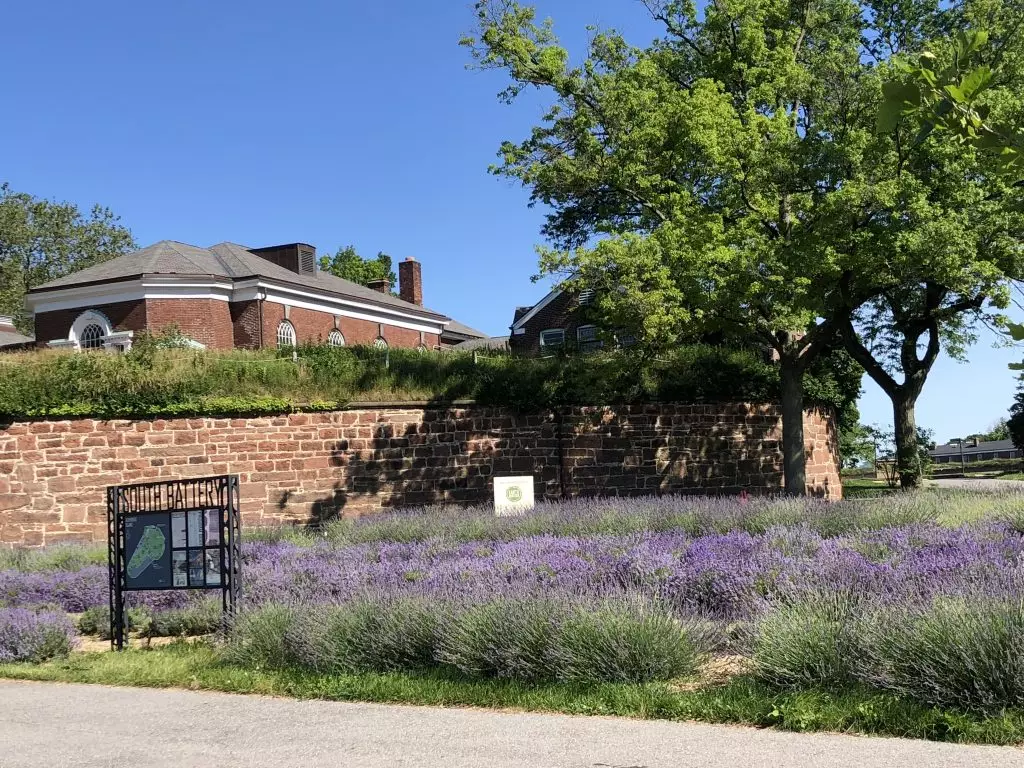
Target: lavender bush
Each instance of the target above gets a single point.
(528, 640)
(34, 635)
(819, 594)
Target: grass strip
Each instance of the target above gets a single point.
(197, 666)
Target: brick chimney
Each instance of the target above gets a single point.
(380, 286)
(410, 281)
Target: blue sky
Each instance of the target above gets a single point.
(326, 122)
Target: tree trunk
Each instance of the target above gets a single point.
(908, 461)
(793, 460)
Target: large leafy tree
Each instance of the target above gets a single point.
(41, 240)
(956, 217)
(347, 263)
(731, 175)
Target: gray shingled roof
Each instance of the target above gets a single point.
(10, 339)
(990, 446)
(498, 343)
(455, 327)
(228, 260)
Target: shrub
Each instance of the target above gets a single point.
(809, 642)
(95, 620)
(60, 557)
(33, 636)
(201, 618)
(160, 379)
(504, 638)
(258, 638)
(966, 653)
(366, 636)
(626, 643)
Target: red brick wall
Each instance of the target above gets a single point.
(123, 315)
(245, 321)
(304, 467)
(208, 321)
(313, 326)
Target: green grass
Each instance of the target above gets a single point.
(198, 667)
(154, 381)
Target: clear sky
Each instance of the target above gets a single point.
(330, 122)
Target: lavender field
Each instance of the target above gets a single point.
(918, 595)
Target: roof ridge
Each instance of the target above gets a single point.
(174, 243)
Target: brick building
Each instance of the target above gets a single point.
(228, 296)
(10, 337)
(558, 320)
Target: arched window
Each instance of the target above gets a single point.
(285, 334)
(89, 329)
(91, 337)
(335, 339)
(379, 343)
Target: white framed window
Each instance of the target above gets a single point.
(335, 338)
(285, 334)
(625, 339)
(587, 338)
(380, 343)
(88, 330)
(552, 337)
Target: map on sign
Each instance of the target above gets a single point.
(148, 551)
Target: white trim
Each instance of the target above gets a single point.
(181, 287)
(332, 309)
(128, 290)
(86, 319)
(285, 328)
(282, 294)
(522, 321)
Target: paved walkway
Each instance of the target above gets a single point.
(60, 726)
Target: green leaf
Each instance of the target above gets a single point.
(975, 82)
(1016, 331)
(905, 94)
(888, 117)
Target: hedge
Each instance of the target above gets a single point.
(151, 381)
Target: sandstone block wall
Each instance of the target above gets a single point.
(310, 467)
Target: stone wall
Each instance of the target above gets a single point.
(309, 467)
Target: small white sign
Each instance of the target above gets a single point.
(513, 495)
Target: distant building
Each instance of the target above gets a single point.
(229, 296)
(983, 451)
(11, 338)
(556, 321)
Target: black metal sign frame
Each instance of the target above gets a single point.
(183, 534)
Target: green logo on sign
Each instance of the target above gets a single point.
(514, 493)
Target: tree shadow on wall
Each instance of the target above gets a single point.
(447, 459)
(451, 456)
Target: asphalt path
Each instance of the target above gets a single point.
(64, 726)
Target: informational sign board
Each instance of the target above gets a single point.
(513, 495)
(177, 534)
